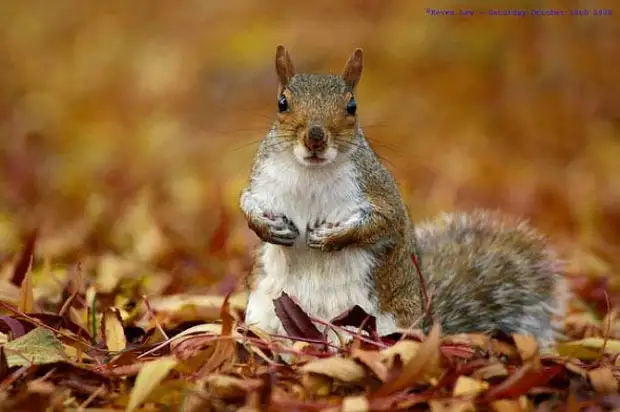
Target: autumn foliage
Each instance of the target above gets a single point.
(127, 130)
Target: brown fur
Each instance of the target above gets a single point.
(485, 271)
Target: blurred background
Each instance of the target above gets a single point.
(127, 129)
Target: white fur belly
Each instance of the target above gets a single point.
(325, 284)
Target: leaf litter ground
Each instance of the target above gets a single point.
(195, 354)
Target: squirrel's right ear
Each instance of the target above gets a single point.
(353, 69)
(284, 66)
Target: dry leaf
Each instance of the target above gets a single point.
(528, 349)
(405, 349)
(150, 376)
(319, 385)
(589, 348)
(466, 386)
(26, 297)
(295, 321)
(373, 361)
(492, 370)
(345, 370)
(451, 405)
(424, 363)
(113, 331)
(507, 405)
(228, 387)
(603, 380)
(38, 347)
(355, 404)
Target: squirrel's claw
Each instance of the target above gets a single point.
(278, 229)
(325, 237)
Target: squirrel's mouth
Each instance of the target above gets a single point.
(314, 158)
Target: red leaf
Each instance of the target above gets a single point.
(25, 260)
(4, 364)
(356, 317)
(16, 327)
(522, 380)
(295, 321)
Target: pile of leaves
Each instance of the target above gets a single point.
(152, 354)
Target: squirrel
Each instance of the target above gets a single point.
(336, 233)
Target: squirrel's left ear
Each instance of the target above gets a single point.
(353, 69)
(284, 66)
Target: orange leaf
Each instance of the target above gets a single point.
(603, 380)
(425, 360)
(26, 297)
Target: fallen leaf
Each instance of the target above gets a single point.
(528, 349)
(355, 404)
(112, 330)
(228, 387)
(492, 370)
(23, 265)
(466, 386)
(424, 363)
(405, 349)
(150, 376)
(295, 321)
(4, 364)
(224, 348)
(603, 380)
(16, 327)
(507, 405)
(26, 296)
(345, 370)
(372, 360)
(38, 347)
(522, 380)
(357, 317)
(588, 348)
(451, 405)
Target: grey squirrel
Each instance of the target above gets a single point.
(335, 231)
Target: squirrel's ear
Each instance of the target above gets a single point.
(353, 69)
(284, 66)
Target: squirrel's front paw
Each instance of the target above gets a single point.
(276, 229)
(326, 236)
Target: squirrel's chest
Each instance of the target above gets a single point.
(326, 284)
(308, 196)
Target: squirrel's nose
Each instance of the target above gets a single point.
(316, 135)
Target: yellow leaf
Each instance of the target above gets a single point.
(423, 366)
(528, 349)
(355, 404)
(26, 298)
(508, 405)
(149, 377)
(38, 347)
(345, 370)
(406, 349)
(588, 348)
(466, 386)
(112, 329)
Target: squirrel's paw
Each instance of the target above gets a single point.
(277, 229)
(326, 236)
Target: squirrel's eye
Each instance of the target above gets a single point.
(282, 104)
(351, 107)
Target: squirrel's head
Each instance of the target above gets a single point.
(317, 113)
